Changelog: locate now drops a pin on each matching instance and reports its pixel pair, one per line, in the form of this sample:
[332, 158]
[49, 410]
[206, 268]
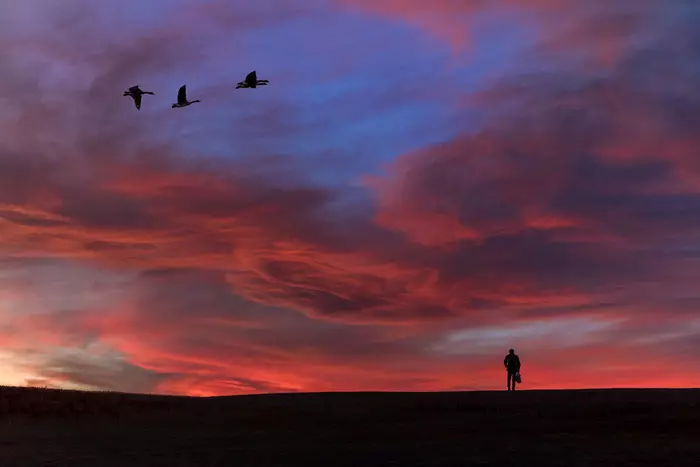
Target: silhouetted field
[530, 428]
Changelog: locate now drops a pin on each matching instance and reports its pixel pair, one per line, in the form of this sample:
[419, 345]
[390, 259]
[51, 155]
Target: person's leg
[511, 378]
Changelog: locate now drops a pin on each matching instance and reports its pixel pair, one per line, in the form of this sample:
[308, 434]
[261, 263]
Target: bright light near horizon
[11, 374]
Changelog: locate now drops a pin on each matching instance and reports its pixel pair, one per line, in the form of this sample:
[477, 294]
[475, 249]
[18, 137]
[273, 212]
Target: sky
[422, 186]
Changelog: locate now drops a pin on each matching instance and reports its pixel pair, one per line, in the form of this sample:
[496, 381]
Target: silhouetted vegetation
[541, 428]
[48, 403]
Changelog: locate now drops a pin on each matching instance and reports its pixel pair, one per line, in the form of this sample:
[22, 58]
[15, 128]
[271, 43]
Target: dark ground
[528, 428]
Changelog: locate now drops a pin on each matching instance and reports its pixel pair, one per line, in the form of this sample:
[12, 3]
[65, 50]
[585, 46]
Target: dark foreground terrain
[529, 428]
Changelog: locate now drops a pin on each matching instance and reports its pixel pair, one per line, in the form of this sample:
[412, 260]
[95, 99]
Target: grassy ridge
[49, 403]
[539, 428]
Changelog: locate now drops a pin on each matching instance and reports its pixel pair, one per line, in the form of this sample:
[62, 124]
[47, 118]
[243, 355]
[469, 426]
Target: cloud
[601, 32]
[107, 373]
[573, 201]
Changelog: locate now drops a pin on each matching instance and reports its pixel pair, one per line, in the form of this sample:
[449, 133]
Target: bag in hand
[518, 379]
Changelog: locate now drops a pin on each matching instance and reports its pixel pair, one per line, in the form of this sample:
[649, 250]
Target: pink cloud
[601, 31]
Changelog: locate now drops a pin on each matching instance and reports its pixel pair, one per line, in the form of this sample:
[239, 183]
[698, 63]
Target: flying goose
[135, 92]
[182, 98]
[252, 81]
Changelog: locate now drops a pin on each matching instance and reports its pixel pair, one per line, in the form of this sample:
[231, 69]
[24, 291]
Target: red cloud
[600, 31]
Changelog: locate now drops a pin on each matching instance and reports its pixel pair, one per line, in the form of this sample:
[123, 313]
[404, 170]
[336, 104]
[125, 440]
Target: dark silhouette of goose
[182, 98]
[252, 81]
[135, 92]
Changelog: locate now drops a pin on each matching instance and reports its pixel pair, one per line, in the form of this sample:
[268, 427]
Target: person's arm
[505, 361]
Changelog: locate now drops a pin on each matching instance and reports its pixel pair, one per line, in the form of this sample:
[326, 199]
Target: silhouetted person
[512, 364]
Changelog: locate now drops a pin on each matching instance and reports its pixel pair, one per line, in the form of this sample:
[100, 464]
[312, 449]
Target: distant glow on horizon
[10, 375]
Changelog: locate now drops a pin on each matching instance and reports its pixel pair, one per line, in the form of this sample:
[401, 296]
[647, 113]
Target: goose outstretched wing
[251, 78]
[182, 94]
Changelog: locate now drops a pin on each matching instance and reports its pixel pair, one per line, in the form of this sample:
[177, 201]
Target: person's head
[511, 351]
